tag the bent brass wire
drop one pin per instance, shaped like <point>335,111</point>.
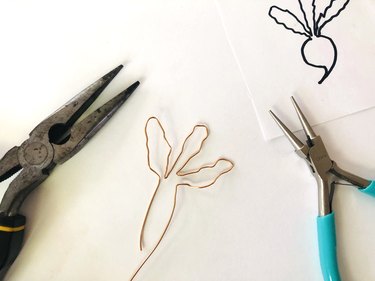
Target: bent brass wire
<point>179,173</point>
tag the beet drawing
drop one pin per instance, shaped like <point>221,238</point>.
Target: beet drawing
<point>317,50</point>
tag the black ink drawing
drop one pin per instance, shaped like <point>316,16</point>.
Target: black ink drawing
<point>321,12</point>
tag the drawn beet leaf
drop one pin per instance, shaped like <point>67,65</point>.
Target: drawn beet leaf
<point>322,13</point>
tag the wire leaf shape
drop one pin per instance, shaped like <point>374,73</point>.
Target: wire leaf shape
<point>188,177</point>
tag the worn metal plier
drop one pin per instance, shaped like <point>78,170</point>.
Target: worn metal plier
<point>52,142</point>
<point>323,169</point>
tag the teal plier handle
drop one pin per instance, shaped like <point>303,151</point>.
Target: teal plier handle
<point>370,189</point>
<point>327,241</point>
<point>327,247</point>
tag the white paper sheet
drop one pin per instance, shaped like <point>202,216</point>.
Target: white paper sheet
<point>273,67</point>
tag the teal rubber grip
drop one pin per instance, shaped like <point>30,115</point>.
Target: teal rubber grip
<point>370,189</point>
<point>327,247</point>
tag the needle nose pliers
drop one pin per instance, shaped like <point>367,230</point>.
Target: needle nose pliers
<point>323,169</point>
<point>53,141</point>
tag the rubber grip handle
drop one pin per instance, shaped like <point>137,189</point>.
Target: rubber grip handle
<point>327,247</point>
<point>11,238</point>
<point>370,189</point>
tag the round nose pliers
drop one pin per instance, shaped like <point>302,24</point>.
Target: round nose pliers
<point>323,169</point>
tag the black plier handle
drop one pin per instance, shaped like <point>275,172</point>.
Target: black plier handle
<point>11,237</point>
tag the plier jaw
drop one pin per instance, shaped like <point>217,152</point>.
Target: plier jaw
<point>55,140</point>
<point>321,165</point>
<point>315,155</point>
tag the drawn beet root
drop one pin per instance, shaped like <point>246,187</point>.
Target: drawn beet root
<point>328,50</point>
<point>317,50</point>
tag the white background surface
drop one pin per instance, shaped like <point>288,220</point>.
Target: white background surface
<point>256,223</point>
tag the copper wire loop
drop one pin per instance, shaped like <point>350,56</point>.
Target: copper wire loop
<point>180,173</point>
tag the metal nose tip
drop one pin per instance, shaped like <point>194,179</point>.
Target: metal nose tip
<point>110,75</point>
<point>305,124</point>
<point>297,144</point>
